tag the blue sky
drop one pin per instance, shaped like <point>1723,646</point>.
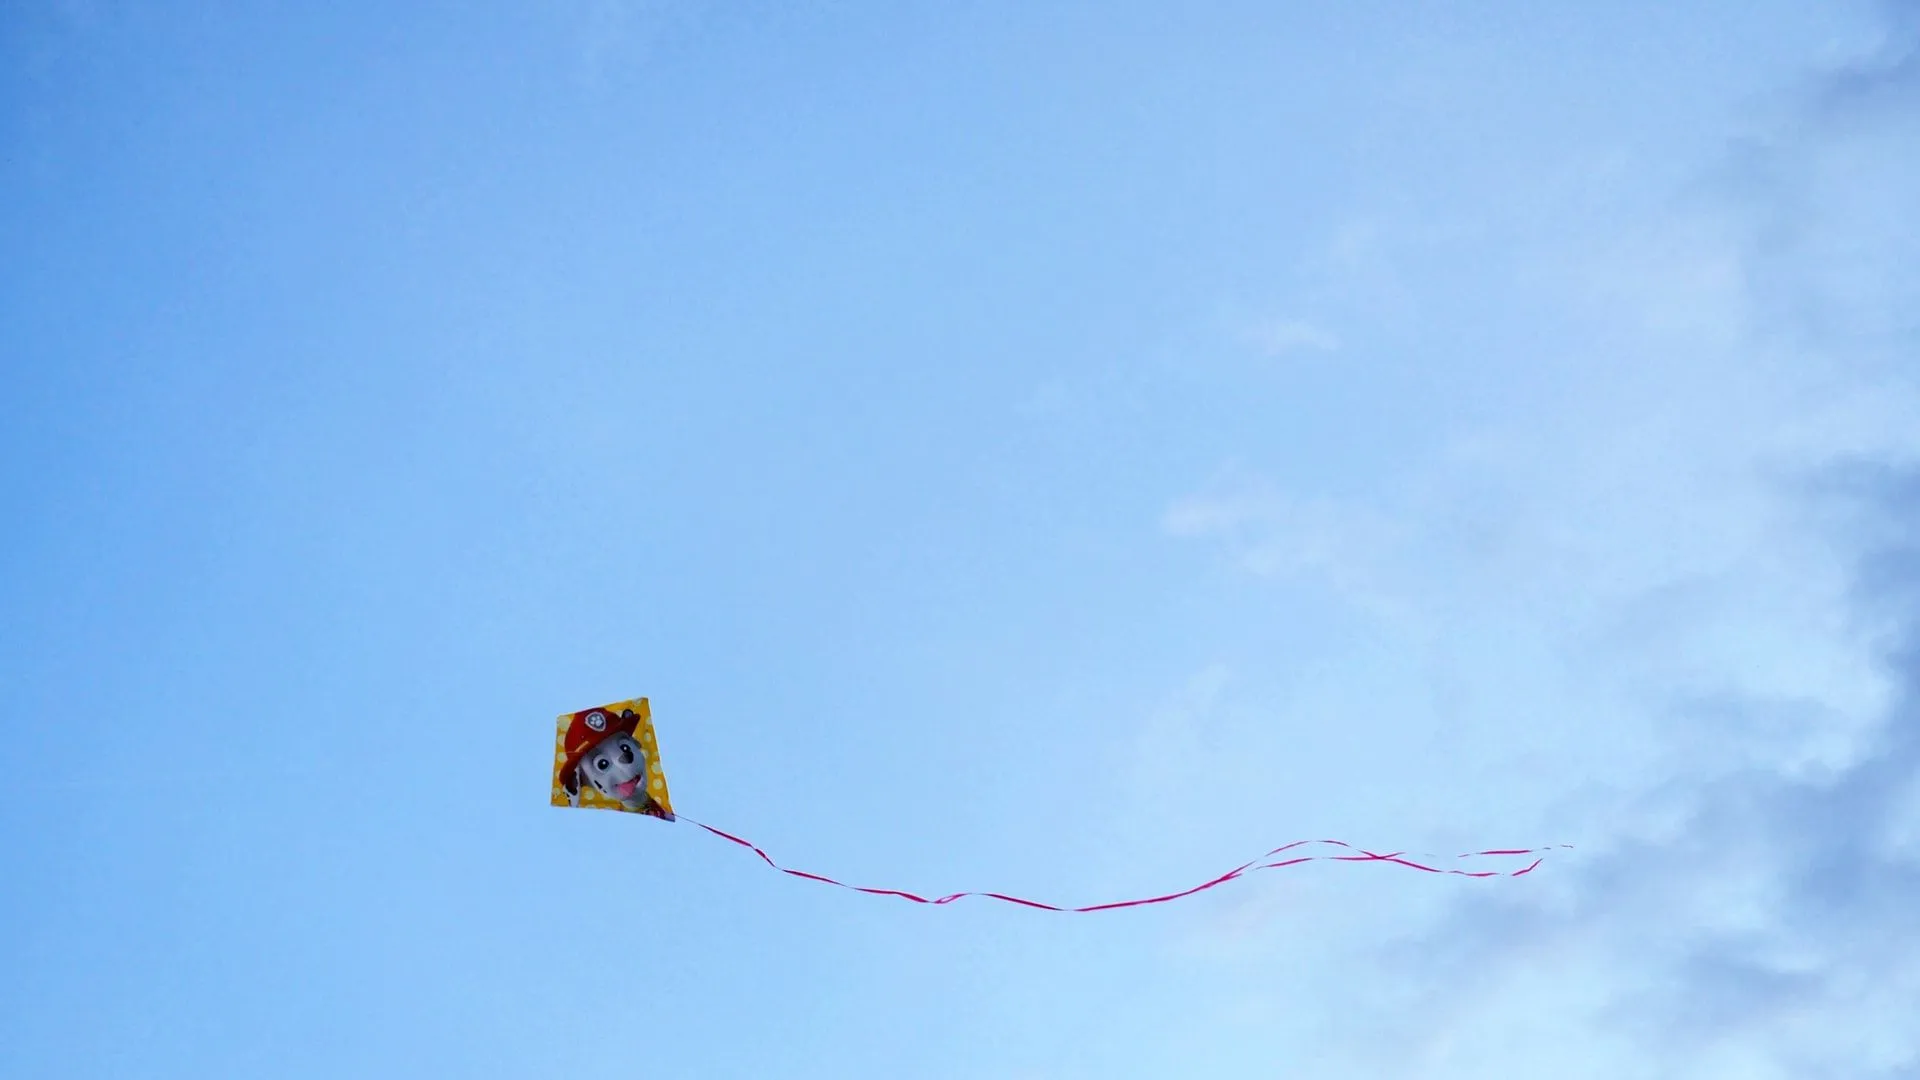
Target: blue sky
<point>1062,449</point>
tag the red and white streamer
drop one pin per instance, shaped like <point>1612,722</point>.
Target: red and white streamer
<point>1264,862</point>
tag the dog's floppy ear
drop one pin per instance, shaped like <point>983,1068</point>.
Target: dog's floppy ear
<point>570,780</point>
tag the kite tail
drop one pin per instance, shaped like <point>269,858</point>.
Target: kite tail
<point>1264,862</point>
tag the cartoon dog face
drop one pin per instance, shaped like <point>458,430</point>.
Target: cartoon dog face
<point>617,768</point>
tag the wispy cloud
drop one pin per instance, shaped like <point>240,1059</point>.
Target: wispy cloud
<point>1732,721</point>
<point>1271,534</point>
<point>613,34</point>
<point>1750,911</point>
<point>1167,745</point>
<point>1342,546</point>
<point>1283,337</point>
<point>1754,923</point>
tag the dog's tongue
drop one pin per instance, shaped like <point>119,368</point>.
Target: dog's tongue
<point>625,790</point>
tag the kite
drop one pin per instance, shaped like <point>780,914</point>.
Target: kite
<point>608,758</point>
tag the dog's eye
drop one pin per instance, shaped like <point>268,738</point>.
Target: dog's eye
<point>626,755</point>
<point>601,764</point>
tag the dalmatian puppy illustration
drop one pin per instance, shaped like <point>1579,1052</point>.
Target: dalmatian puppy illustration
<point>602,752</point>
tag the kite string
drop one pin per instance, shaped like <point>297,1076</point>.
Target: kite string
<point>1363,855</point>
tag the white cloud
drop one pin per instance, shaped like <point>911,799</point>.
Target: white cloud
<point>1718,691</point>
